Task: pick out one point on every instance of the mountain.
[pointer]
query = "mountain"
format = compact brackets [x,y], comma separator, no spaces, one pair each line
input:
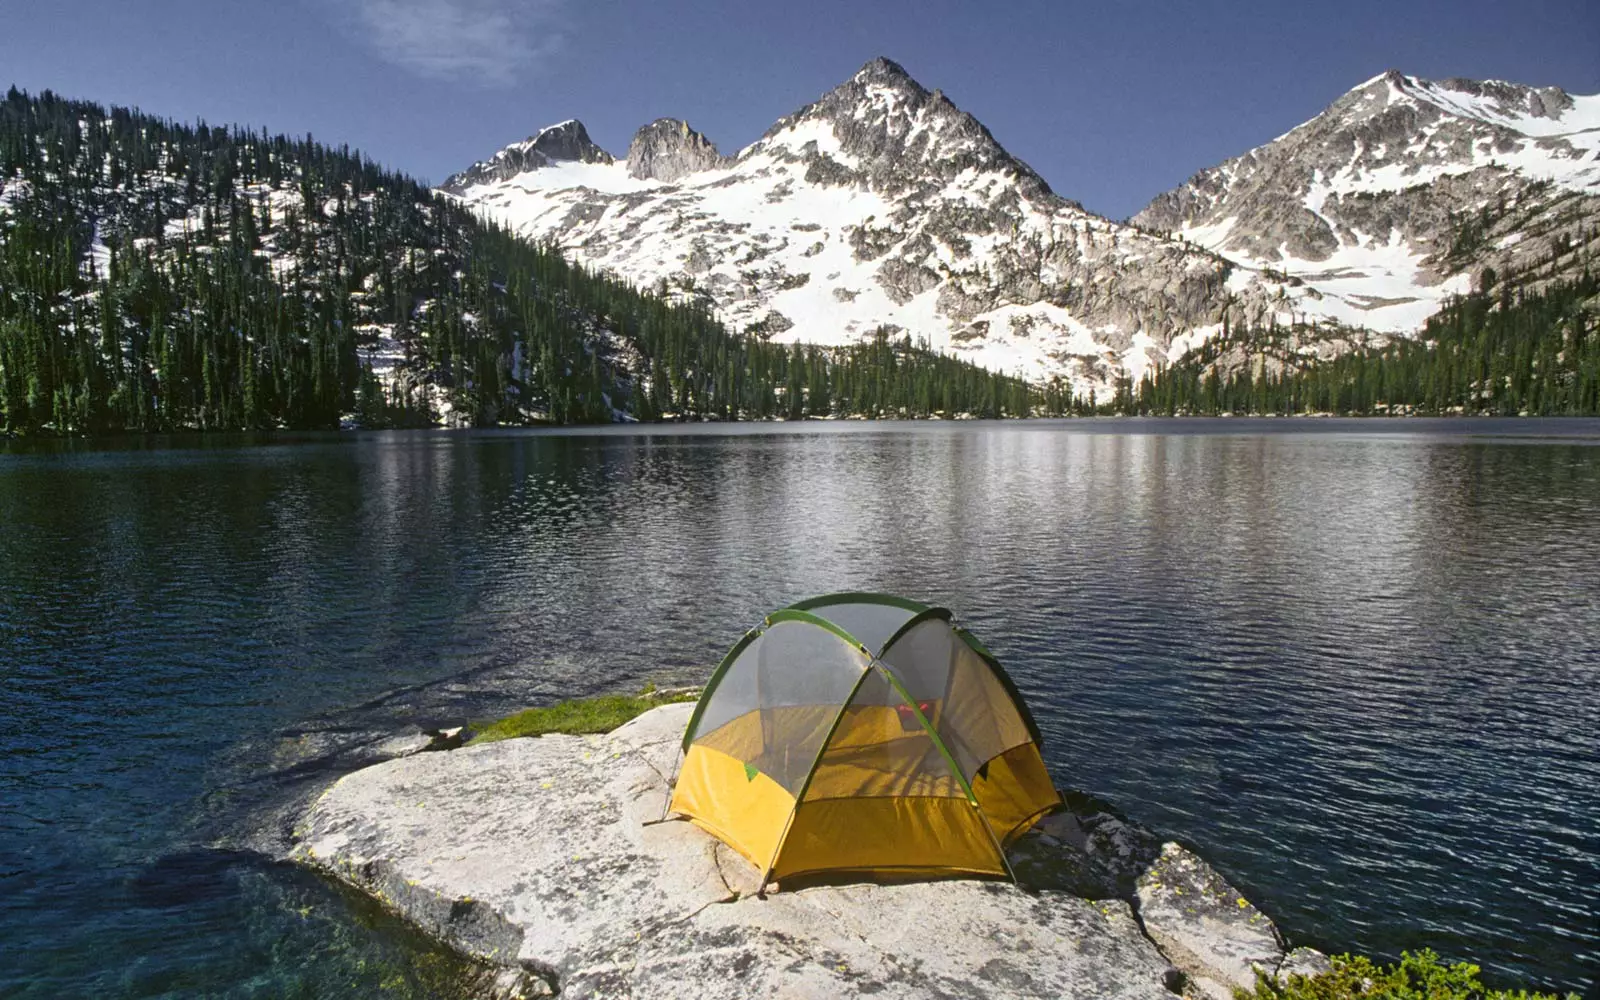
[566,142]
[880,204]
[667,149]
[884,204]
[1405,192]
[158,276]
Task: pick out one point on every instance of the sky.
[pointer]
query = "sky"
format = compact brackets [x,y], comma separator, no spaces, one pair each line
[1111,102]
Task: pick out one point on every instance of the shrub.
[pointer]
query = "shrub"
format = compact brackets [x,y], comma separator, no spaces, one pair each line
[1419,976]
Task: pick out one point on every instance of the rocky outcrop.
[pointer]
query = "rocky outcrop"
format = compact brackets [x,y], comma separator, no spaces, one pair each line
[667,149]
[1204,925]
[1088,849]
[1306,962]
[549,859]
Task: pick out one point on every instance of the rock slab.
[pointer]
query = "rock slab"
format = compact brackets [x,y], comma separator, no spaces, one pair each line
[553,860]
[545,856]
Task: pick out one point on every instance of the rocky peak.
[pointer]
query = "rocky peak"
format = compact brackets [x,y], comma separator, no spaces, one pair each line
[880,204]
[567,142]
[895,136]
[885,72]
[1383,177]
[667,149]
[1496,104]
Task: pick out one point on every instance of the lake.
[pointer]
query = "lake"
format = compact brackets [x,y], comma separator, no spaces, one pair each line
[1355,664]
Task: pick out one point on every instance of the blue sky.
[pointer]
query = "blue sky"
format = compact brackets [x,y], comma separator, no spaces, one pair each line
[1112,102]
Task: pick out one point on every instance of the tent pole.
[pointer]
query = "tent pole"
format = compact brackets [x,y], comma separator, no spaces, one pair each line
[666,800]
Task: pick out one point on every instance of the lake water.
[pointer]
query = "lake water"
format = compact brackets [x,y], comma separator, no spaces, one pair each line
[1356,664]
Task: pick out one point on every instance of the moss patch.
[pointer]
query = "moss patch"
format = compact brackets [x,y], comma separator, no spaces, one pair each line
[581,715]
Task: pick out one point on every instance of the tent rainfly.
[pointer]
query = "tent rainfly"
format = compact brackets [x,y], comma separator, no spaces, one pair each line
[863,736]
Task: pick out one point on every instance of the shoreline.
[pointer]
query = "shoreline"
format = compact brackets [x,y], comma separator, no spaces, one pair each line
[18,444]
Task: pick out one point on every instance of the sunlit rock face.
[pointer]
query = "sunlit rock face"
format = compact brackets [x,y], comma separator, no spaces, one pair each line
[667,148]
[567,142]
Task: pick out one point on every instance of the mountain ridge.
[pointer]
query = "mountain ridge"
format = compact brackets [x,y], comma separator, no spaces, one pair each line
[156,276]
[952,238]
[883,204]
[1403,192]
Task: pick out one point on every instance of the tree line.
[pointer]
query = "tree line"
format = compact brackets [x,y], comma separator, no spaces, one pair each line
[160,276]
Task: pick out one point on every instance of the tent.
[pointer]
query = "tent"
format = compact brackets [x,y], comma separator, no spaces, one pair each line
[863,736]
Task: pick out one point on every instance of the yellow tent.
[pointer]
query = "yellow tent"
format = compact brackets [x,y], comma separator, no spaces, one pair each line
[867,736]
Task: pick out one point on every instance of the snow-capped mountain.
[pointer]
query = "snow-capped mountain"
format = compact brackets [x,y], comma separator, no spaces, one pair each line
[1402,192]
[879,204]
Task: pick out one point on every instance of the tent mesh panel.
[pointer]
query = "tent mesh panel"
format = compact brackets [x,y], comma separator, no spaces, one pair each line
[871,624]
[880,749]
[775,703]
[968,706]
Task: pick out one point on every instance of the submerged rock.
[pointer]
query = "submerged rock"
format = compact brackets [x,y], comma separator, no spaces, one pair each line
[403,746]
[427,740]
[550,858]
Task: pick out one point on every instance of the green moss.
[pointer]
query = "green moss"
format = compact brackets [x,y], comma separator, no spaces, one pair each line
[581,715]
[1419,976]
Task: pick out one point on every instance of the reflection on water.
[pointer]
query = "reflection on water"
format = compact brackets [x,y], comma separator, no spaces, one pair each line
[1354,663]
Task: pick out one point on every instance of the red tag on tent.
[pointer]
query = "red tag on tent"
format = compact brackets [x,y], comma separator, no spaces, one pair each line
[908,717]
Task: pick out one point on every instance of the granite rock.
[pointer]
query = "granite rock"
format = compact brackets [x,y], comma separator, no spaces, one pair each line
[1215,935]
[667,149]
[567,142]
[547,857]
[1302,962]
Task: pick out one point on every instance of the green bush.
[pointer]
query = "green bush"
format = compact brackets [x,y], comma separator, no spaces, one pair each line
[1419,976]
